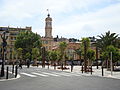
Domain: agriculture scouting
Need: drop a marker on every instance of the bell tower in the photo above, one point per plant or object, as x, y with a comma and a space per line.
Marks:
48, 26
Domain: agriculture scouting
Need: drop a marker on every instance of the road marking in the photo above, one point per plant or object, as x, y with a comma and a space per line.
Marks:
50, 74
70, 74
40, 74
30, 75
63, 74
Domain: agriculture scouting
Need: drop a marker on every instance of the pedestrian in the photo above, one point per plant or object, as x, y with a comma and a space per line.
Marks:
20, 64
72, 65
28, 63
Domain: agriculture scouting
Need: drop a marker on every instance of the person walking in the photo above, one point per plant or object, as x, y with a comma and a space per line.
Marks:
28, 63
20, 64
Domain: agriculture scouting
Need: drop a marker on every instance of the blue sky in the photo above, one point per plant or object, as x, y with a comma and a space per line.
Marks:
71, 18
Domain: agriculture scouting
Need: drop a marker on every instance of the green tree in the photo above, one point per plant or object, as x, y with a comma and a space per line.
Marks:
79, 52
53, 57
115, 55
27, 56
19, 53
28, 40
90, 56
62, 47
85, 48
106, 40
35, 54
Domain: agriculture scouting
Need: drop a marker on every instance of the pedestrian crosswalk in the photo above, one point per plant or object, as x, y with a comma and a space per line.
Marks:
49, 74
30, 75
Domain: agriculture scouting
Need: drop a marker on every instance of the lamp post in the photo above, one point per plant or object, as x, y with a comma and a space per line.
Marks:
4, 44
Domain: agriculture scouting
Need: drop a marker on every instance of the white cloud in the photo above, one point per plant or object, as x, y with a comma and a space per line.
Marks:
76, 25
93, 23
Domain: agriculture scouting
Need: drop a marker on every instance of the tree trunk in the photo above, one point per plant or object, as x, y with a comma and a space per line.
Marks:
85, 57
35, 62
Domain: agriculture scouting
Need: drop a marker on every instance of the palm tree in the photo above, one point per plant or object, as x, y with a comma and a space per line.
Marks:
106, 40
62, 47
85, 47
90, 57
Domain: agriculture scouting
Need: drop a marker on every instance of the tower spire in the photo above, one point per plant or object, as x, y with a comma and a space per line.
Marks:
48, 12
48, 26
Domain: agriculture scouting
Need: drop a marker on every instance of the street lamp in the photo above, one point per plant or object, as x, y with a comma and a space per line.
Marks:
4, 44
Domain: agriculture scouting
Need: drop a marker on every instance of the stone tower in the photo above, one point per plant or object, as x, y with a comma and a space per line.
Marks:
48, 27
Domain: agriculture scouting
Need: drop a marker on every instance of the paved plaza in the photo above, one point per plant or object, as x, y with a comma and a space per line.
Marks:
38, 78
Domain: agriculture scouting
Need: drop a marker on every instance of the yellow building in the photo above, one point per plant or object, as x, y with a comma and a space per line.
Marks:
48, 40
51, 43
12, 35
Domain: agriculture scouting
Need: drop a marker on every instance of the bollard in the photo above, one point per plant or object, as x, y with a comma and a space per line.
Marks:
48, 65
102, 71
13, 69
82, 68
7, 72
71, 68
62, 66
16, 71
91, 69
2, 72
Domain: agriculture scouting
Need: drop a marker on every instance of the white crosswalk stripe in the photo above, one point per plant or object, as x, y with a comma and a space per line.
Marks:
39, 74
50, 74
47, 74
30, 75
63, 74
71, 74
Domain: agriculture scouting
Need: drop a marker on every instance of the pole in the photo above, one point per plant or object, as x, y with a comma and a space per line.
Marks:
16, 71
91, 69
102, 71
111, 63
13, 68
7, 72
71, 65
82, 67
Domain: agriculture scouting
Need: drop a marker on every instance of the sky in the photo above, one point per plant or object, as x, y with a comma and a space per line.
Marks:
71, 18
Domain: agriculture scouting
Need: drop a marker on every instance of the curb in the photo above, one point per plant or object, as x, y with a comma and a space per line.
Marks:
18, 76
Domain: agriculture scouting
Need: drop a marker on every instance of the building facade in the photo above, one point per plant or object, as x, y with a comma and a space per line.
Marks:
51, 43
11, 33
47, 40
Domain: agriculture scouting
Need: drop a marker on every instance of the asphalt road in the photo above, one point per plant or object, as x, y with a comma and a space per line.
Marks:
42, 79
